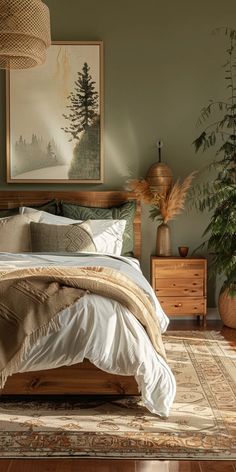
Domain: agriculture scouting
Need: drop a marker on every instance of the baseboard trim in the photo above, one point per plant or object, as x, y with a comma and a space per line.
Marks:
212, 314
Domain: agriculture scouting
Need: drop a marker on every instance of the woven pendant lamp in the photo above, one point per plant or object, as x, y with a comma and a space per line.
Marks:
24, 33
159, 175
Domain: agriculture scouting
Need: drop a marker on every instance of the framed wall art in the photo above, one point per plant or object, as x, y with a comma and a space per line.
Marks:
55, 117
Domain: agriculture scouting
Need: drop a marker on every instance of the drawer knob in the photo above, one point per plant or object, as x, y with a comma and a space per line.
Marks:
178, 304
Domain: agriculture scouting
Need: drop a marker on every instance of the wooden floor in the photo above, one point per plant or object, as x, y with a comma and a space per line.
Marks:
87, 465
92, 465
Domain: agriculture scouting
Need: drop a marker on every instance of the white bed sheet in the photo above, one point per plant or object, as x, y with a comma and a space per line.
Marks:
103, 331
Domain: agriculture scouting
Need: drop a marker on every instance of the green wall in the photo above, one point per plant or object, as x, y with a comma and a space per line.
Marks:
162, 64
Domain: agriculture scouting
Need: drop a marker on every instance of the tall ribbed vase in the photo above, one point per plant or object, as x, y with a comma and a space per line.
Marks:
163, 247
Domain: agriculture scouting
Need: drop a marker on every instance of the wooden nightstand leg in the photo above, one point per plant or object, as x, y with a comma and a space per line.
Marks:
204, 321
199, 318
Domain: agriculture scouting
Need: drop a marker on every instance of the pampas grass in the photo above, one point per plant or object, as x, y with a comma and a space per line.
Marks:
173, 203
167, 206
142, 189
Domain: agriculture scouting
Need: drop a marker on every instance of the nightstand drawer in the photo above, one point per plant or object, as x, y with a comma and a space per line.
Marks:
190, 268
183, 306
179, 287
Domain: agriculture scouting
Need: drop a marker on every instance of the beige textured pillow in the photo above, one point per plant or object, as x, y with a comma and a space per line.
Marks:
61, 238
15, 233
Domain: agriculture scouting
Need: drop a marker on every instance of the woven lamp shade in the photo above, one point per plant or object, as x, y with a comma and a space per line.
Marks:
160, 178
24, 33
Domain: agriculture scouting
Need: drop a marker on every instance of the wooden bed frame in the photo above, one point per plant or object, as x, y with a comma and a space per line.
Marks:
83, 378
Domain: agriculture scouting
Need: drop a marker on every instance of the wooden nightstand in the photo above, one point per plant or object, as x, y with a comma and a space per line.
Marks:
180, 285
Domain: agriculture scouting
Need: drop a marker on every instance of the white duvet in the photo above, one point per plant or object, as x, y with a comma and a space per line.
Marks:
103, 331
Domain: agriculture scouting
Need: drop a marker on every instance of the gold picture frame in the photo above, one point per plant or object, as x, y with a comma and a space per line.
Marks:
55, 117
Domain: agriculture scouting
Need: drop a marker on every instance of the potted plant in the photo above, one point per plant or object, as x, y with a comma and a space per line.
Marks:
218, 122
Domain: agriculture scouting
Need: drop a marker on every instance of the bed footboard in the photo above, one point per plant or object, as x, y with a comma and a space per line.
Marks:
78, 379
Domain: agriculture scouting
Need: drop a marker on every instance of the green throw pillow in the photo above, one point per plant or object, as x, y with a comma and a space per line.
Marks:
126, 211
61, 238
49, 207
9, 212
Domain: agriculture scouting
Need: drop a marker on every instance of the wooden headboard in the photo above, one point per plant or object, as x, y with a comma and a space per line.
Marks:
106, 199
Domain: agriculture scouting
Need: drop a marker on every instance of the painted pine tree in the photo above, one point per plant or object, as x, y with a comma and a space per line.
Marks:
85, 161
83, 104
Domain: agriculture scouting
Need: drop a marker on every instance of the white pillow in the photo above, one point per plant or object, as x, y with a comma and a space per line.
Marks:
107, 234
47, 217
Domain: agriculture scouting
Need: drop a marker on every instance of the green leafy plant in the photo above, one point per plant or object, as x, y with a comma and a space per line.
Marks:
219, 195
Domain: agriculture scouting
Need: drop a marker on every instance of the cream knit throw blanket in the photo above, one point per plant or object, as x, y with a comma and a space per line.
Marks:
32, 298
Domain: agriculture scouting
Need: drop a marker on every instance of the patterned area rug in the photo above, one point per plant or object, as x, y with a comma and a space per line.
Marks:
202, 423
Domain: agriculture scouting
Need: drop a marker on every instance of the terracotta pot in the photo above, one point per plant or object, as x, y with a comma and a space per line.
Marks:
227, 308
163, 246
183, 251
